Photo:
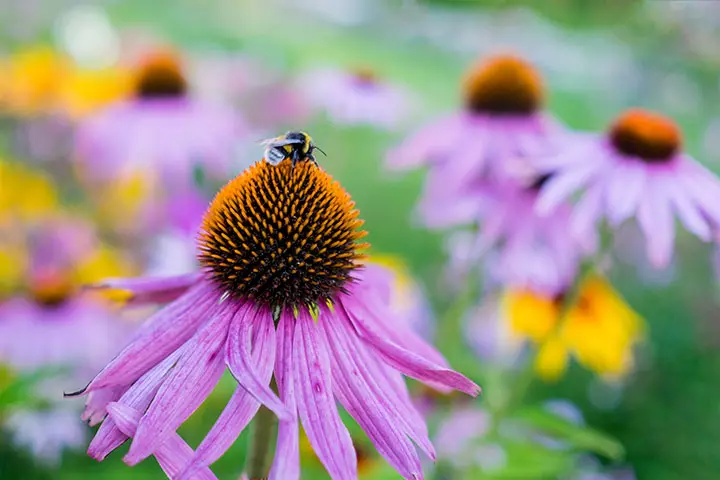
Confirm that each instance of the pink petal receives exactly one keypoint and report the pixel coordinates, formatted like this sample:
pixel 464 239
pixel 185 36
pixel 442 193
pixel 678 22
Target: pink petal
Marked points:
pixel 657 223
pixel 703 186
pixel 386 384
pixel 172 455
pixel 365 298
pixel 190 382
pixel 562 185
pixel 286 464
pixel 688 212
pixel 159 336
pixel 359 394
pixel 430 142
pixel 146 290
pixel 316 405
pixel 138 396
pixel 624 191
pixel 408 362
pixel 240 362
pixel 242 406
pixel 586 215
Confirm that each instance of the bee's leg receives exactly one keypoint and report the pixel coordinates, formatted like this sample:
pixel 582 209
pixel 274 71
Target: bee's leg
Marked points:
pixel 311 157
pixel 295 157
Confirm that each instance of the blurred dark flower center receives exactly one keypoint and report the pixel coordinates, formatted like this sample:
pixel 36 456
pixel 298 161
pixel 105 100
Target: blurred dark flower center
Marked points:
pixel 365 77
pixel 51 289
pixel 503 85
pixel 282 235
pixel 645 135
pixel 161 76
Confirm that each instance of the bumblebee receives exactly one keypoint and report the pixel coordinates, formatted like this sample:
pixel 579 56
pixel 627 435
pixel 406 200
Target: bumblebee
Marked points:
pixel 296 146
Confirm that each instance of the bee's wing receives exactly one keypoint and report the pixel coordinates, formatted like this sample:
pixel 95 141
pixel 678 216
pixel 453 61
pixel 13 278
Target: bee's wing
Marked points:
pixel 280 142
pixel 274 156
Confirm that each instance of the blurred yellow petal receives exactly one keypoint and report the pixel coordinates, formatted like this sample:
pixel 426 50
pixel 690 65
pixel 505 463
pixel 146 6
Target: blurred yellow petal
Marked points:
pixel 530 314
pixel 25 194
pixel 12 269
pixel 85 91
pixel 601 330
pixel 103 263
pixel 551 360
pixel 33 77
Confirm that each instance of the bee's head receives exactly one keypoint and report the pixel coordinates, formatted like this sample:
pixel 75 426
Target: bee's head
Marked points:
pixel 301 136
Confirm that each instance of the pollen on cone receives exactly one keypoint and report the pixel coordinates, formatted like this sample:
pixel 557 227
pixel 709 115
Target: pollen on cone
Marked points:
pixel 282 235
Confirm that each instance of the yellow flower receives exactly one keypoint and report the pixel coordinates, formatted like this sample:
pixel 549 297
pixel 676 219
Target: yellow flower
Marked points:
pixel 24 193
pixel 133 191
pixel 599 330
pixel 13 264
pixel 104 262
pixel 85 91
pixel 31 80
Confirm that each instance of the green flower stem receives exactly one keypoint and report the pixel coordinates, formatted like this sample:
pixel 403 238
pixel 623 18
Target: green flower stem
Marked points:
pixel 262 433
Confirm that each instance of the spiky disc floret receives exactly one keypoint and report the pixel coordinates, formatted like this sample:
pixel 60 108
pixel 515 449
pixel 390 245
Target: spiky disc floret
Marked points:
pixel 282 235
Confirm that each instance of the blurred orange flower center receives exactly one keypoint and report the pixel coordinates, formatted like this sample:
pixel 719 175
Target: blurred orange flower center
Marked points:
pixel 365 76
pixel 161 76
pixel 646 135
pixel 51 288
pixel 503 85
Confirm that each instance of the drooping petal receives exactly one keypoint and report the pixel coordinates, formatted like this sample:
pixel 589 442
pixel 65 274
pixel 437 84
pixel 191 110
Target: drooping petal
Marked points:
pixel 624 191
pixel 162 334
pixel 193 378
pixel 357 392
pixel 369 302
pixel 429 144
pixel 657 223
pixel 688 212
pixel 561 186
pixel 408 362
pixel 586 215
pixel 390 390
pixel 138 396
pixel 172 455
pixel 286 464
pixel 239 359
pixel 144 290
pixel 96 402
pixel 312 379
pixel 242 406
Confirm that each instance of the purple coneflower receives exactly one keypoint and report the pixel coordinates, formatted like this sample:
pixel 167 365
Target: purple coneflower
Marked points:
pixel 522 248
pixel 357 97
pixel 162 130
pixel 282 293
pixel 47 322
pixel 637 169
pixel 501 125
